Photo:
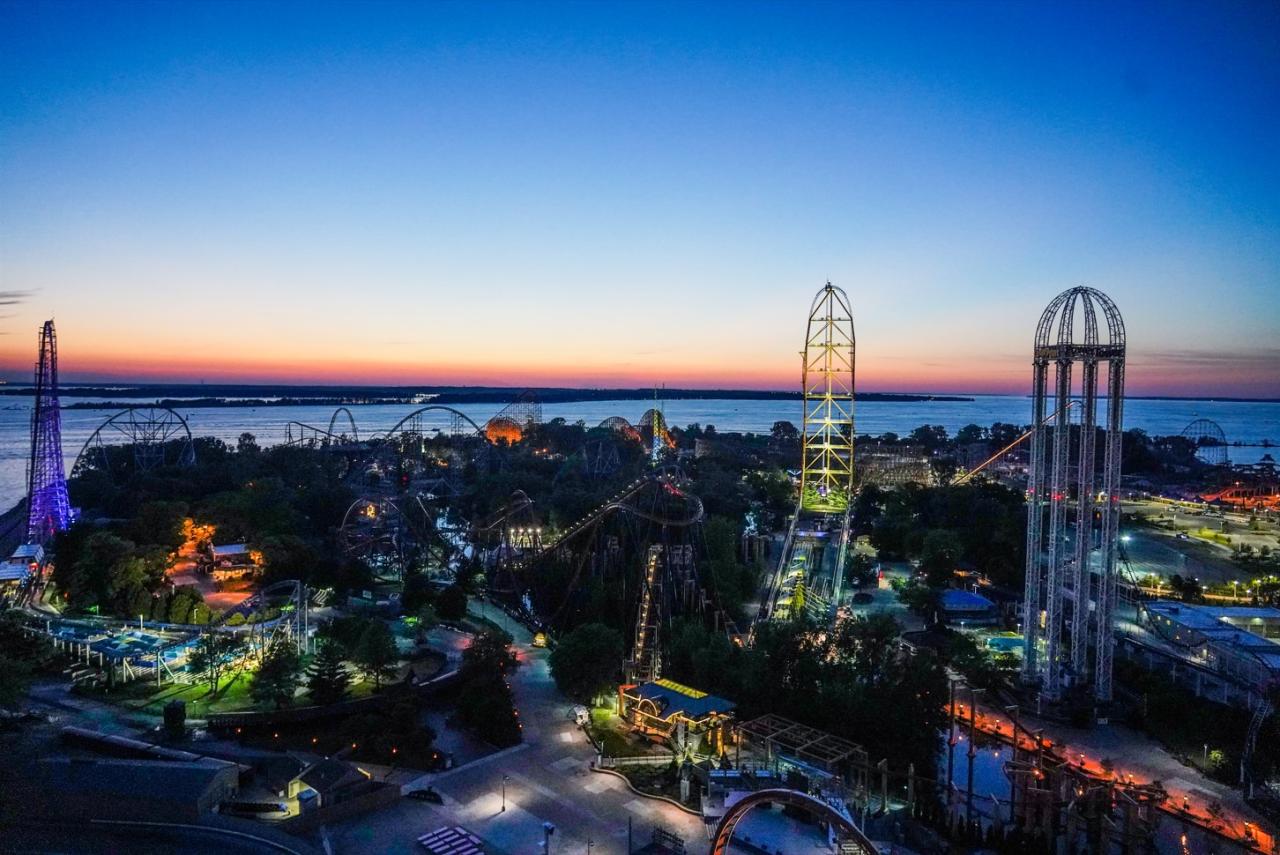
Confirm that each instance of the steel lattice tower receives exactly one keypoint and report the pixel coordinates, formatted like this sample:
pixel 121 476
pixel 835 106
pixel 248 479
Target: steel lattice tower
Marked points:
pixel 48 508
pixel 1073 509
pixel 826 479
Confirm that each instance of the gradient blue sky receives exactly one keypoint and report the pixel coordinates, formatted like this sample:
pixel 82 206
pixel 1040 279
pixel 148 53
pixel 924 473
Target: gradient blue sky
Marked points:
pixel 602 194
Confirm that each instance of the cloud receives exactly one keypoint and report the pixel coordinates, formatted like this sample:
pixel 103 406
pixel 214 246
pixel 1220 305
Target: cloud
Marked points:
pixel 1251 357
pixel 12 298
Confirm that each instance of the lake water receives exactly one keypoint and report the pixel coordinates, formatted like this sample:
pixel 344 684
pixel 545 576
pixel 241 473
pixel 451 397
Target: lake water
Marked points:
pixel 1240 421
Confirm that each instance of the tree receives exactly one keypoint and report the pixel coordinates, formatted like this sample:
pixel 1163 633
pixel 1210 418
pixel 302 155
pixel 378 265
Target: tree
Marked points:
pixel 452 603
pixel 212 653
pixel 182 603
pixel 585 662
pixel 427 618
pixel 920 599
pixel 277 677
pixel 247 444
pixel 784 432
pixel 375 653
pixel 1003 434
pixel 327 679
pixel 488 653
pixel 974 663
pixel 417 592
pixel 89 574
pixel 159 523
pixel 940 555
pixel 1187 588
pixel 21 656
pixel 931 437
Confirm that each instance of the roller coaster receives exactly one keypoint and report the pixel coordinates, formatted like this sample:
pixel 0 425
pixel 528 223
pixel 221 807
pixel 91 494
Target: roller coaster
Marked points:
pixel 641 549
pixel 1210 441
pixel 298 434
pixel 810 573
pixel 137 439
pixel 397 537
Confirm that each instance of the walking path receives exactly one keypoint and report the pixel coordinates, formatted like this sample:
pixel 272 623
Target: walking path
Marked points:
pixel 546 778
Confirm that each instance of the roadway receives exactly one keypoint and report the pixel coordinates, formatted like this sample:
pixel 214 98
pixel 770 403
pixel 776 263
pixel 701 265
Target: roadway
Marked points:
pixel 548 780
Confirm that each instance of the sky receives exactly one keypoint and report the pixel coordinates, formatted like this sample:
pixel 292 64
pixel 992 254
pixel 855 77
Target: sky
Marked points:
pixel 634 194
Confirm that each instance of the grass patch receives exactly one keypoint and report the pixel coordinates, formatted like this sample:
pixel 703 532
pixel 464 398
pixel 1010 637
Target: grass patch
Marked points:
pixel 614 740
pixel 232 696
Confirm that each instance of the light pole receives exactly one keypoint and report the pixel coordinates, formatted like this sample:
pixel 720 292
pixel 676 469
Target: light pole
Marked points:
pixel 547 830
pixel 973 750
pixel 590 843
pixel 504 792
pixel 1013 789
pixel 951 737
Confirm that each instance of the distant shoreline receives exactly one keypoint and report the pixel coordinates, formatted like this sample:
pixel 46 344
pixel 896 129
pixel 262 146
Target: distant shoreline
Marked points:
pixel 198 395
pixel 195 396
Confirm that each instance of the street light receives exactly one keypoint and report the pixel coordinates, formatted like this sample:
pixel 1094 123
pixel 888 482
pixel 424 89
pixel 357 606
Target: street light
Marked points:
pixel 547 830
pixel 504 792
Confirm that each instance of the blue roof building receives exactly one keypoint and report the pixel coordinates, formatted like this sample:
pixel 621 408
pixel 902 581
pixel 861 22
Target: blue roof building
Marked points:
pixel 966 608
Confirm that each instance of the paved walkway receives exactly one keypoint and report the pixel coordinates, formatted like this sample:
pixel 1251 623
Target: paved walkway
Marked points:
pixel 547 780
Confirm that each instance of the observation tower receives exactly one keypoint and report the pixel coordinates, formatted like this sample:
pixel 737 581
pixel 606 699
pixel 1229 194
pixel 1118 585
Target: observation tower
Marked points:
pixel 1073 503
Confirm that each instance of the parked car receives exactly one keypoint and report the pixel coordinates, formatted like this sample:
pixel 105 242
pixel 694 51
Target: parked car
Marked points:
pixel 580 714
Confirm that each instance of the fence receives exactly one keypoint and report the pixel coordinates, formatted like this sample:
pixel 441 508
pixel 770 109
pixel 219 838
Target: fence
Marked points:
pixel 604 762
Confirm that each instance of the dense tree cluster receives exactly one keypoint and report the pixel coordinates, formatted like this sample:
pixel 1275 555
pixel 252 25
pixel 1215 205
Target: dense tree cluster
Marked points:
pixel 285 502
pixel 365 642
pixel 396 735
pixel 854 681
pixel 99 568
pixel 23 655
pixel 485 704
pixel 980 524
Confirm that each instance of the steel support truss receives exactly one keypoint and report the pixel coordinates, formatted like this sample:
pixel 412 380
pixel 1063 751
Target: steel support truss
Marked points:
pixel 1073 507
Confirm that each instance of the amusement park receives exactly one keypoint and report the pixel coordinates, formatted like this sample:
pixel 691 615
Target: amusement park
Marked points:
pixel 721 641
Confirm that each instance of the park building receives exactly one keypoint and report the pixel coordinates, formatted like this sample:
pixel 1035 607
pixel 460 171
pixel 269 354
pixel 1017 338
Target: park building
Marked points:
pixel 233 561
pixel 306 784
pixel 677 714
pixel 27 560
pixel 963 609
pixel 1222 653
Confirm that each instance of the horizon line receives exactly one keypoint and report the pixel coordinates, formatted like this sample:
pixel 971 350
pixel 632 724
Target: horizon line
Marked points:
pixel 717 391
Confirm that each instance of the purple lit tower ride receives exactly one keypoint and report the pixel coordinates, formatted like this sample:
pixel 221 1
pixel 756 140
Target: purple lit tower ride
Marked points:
pixel 48 507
